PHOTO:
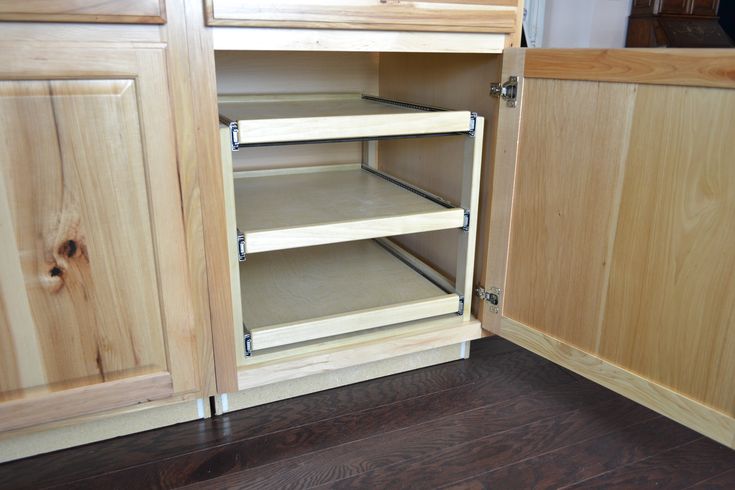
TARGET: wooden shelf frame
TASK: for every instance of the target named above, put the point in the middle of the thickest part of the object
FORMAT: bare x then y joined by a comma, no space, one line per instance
305,294
298,118
280,334
319,205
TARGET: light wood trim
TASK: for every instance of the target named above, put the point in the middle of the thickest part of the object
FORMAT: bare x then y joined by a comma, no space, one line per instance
406,15
298,117
358,126
281,39
470,200
278,335
272,172
708,68
109,11
87,429
84,400
503,183
234,260
201,169
513,40
189,51
360,349
306,236
676,406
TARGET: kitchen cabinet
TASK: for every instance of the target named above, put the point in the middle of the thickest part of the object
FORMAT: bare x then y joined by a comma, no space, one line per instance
395,194
580,215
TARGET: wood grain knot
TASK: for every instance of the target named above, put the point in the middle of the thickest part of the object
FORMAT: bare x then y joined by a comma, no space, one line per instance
68,248
55,271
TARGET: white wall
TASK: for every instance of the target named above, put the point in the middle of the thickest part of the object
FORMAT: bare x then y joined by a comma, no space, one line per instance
584,23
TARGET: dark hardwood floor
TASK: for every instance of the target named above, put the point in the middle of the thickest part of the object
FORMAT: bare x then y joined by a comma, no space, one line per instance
503,419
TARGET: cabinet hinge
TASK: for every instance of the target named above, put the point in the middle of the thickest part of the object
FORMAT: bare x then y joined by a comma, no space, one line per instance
473,124
492,296
460,311
507,91
241,246
248,345
466,224
234,136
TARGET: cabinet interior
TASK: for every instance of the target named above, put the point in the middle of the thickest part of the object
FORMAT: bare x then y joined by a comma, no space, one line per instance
304,290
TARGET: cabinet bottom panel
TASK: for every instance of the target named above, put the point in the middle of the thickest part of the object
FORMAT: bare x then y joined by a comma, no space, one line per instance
355,349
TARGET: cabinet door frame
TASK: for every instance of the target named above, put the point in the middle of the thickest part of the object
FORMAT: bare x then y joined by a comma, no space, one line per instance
181,378
696,68
491,16
93,11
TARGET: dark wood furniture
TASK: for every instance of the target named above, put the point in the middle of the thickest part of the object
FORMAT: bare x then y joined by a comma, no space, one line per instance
676,23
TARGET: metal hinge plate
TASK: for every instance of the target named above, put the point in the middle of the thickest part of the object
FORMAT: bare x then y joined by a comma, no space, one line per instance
492,296
473,124
248,345
466,223
507,91
234,136
241,256
460,310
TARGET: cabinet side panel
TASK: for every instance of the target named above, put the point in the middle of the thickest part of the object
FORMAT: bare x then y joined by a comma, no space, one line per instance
572,149
69,196
671,303
453,81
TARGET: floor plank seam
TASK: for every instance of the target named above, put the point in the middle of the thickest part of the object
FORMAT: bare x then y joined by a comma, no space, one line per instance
560,448
632,463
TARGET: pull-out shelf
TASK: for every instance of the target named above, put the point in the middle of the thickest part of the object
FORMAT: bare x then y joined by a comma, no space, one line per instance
304,294
278,119
277,212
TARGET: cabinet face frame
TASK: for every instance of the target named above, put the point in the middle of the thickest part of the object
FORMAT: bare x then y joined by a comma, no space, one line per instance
646,74
145,69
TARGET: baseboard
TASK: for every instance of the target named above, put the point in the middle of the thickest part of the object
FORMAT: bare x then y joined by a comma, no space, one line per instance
355,374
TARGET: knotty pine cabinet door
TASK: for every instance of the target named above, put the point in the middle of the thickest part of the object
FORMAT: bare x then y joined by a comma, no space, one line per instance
95,303
611,230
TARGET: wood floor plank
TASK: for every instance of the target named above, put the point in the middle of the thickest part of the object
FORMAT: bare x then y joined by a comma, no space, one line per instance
454,463
505,378
723,481
590,458
170,442
505,418
400,446
677,468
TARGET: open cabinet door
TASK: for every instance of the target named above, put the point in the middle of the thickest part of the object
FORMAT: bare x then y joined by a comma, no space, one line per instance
612,228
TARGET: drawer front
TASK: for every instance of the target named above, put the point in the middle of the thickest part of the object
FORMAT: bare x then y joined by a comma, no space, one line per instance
109,11
446,15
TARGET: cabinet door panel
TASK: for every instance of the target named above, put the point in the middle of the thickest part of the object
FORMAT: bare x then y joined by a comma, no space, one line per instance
93,286
428,15
680,7
129,11
705,7
610,224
